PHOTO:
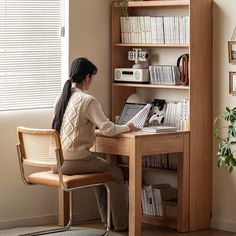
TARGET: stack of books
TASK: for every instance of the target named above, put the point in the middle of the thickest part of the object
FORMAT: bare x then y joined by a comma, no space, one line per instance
164,74
177,113
154,198
158,129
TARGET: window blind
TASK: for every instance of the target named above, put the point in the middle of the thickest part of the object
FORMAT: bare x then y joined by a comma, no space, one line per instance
30,53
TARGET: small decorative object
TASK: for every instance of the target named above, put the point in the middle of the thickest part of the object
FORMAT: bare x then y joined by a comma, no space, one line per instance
232,48
226,136
232,83
140,57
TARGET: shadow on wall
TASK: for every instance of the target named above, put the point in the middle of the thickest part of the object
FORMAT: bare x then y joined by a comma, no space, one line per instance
17,201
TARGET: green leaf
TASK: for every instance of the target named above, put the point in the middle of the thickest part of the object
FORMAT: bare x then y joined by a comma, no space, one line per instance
226,144
219,162
233,161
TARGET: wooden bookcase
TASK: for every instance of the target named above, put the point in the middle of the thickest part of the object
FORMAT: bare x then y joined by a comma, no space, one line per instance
199,93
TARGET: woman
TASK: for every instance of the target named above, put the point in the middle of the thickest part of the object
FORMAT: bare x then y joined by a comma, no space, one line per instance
76,116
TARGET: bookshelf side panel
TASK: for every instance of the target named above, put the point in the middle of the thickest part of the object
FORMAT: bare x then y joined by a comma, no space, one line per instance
200,113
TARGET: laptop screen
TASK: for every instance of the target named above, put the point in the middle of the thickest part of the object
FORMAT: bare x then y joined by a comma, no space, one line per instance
129,111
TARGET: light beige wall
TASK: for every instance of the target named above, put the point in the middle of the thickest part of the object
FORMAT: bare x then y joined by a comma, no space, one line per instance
19,202
90,37
224,184
24,205
89,33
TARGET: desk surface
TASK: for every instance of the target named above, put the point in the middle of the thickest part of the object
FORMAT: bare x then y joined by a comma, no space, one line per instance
142,133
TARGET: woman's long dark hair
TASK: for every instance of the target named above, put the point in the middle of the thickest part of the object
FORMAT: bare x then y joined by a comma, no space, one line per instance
80,68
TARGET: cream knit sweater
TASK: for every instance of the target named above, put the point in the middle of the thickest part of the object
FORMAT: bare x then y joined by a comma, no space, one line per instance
82,115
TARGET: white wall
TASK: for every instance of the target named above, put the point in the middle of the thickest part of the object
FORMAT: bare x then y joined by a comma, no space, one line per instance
224,184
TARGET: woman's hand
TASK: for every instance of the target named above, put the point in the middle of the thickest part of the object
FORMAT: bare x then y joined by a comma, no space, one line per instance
132,127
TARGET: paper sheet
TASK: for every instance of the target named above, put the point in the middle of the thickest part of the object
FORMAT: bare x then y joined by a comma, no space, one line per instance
139,119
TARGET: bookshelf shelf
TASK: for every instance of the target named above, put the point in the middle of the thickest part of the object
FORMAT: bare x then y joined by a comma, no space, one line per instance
154,86
151,45
159,170
164,221
148,4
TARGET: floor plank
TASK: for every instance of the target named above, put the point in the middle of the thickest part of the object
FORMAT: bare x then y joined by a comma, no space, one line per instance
152,230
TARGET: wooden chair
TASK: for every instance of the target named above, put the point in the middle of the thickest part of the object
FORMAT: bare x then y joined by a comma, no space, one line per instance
42,148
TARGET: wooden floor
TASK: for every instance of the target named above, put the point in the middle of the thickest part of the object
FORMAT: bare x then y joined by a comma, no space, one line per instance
150,230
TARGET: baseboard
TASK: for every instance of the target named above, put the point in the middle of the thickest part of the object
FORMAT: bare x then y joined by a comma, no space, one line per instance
32,221
44,220
225,225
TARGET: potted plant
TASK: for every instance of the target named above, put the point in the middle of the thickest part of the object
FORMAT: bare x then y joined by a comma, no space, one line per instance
124,7
226,136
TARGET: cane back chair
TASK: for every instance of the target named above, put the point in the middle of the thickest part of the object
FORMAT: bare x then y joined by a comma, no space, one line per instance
41,148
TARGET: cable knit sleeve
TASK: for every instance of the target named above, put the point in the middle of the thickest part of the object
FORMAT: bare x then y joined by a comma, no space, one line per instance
97,117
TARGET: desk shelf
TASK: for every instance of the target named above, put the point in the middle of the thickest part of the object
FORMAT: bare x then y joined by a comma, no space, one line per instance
164,221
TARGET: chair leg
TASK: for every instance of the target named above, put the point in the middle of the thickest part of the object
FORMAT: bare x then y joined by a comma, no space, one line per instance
56,230
108,209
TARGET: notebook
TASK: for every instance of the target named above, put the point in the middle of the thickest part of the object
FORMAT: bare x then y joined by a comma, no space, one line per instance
157,129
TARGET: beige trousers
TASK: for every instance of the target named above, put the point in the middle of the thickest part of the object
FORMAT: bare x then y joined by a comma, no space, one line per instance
94,164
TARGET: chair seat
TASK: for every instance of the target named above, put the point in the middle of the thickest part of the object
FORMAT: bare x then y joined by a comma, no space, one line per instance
71,181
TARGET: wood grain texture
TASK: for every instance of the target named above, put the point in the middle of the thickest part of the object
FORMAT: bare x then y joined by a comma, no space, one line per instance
200,113
139,144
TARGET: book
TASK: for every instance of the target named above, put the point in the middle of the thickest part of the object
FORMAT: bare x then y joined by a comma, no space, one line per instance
139,119
170,208
158,129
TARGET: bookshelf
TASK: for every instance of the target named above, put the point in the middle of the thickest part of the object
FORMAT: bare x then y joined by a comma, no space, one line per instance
199,93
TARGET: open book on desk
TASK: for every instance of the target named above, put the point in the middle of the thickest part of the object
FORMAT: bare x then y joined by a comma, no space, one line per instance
159,129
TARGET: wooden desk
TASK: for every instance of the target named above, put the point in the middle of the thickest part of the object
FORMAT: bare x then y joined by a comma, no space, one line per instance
135,145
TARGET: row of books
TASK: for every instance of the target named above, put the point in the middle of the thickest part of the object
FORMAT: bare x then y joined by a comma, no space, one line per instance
157,200
177,114
164,74
154,198
155,30
163,161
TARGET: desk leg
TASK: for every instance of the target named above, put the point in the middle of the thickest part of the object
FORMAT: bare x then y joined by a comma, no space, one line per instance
135,183
63,207
183,188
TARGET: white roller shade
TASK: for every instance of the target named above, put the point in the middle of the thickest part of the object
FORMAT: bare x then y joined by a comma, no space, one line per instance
30,53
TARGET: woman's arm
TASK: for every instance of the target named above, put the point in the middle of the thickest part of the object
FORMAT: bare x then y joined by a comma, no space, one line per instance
95,114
